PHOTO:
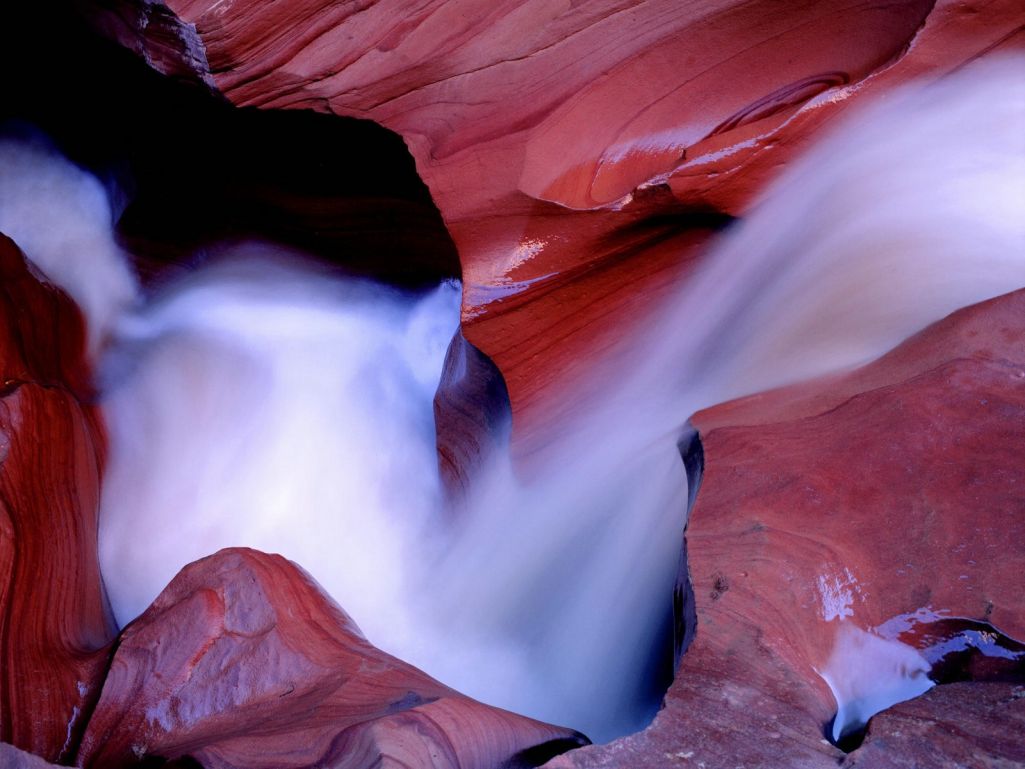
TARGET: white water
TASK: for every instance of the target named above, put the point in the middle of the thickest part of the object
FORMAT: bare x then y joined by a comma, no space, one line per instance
59,215
278,407
263,405
868,673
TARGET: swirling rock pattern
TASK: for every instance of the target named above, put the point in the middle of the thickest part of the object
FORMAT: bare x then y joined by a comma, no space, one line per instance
569,145
55,624
879,499
243,661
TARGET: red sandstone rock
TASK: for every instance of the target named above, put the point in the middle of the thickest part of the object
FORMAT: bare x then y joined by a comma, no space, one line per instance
857,499
471,414
242,661
977,725
562,142
41,337
55,624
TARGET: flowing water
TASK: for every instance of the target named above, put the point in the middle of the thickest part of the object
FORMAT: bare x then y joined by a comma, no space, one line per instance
265,402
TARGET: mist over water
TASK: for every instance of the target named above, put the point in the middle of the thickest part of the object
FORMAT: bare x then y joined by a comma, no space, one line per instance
273,405
266,402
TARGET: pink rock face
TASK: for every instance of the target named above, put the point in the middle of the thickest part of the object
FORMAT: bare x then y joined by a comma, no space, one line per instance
55,624
244,662
560,141
873,503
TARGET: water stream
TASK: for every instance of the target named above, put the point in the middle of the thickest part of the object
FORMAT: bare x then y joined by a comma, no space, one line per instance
264,401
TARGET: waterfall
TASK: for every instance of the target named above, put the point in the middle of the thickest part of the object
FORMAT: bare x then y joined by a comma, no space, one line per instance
265,401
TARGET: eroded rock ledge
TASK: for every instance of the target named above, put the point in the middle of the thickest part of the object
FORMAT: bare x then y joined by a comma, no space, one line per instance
887,499
569,146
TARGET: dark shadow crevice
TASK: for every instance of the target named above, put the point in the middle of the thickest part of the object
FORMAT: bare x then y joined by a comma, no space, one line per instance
185,169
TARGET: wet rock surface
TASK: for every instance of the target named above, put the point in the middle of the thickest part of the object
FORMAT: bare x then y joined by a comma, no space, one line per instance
55,623
884,499
244,662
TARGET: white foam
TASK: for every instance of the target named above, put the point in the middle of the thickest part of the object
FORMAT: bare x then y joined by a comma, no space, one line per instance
277,408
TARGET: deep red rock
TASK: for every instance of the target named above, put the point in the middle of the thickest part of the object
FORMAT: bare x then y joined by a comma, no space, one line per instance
895,488
243,661
55,624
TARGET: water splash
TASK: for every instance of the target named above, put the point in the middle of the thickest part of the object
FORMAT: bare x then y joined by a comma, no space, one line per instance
271,405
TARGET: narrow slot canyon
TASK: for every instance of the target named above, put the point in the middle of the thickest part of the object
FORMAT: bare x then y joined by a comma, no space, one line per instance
512,385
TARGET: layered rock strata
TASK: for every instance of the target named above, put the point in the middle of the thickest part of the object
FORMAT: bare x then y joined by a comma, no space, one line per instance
885,505
569,147
55,623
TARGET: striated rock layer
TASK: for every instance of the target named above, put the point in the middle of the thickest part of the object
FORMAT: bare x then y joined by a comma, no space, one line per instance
569,146
964,724
243,661
55,624
886,503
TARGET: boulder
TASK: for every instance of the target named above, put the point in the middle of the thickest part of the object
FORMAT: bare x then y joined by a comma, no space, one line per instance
243,661
471,415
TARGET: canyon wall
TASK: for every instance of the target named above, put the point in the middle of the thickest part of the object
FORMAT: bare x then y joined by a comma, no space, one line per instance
580,154
582,157
55,623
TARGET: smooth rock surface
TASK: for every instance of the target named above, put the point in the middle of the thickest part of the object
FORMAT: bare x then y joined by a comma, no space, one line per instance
471,415
243,661
569,146
883,499
55,623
